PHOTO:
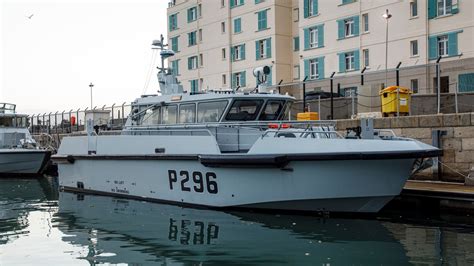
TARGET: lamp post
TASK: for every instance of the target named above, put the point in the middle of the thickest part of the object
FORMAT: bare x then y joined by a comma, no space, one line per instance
91,85
386,16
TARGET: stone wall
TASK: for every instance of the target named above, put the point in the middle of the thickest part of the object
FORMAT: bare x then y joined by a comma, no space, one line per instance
458,143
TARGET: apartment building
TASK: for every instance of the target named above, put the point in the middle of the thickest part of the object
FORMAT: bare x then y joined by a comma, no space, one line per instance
218,43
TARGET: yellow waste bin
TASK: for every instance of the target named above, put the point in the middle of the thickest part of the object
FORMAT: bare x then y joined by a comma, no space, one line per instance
388,97
306,116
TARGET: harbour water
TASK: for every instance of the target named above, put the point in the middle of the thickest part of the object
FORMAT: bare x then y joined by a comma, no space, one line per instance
39,226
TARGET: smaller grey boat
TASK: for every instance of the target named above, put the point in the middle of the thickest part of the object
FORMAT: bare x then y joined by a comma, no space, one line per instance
19,154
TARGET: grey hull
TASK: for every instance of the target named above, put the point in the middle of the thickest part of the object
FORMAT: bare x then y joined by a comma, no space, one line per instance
22,161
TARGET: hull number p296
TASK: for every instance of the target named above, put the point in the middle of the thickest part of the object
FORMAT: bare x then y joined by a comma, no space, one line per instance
196,181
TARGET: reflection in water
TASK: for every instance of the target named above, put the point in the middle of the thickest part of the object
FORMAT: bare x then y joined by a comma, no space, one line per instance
89,230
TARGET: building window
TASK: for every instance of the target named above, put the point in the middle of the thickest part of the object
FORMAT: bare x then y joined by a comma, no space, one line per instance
192,14
222,27
365,21
238,79
192,38
296,14
173,22
263,49
201,60
310,8
199,11
237,25
349,27
200,35
414,8
224,79
350,61
262,20
444,7
238,52
174,44
175,67
296,72
414,48
236,3
192,62
313,37
223,54
238,76
443,45
414,85
365,52
194,88
296,44
313,69
223,3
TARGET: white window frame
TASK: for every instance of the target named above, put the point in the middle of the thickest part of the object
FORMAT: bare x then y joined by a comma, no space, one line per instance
414,49
443,6
310,8
414,7
194,62
366,56
442,45
193,11
350,61
237,79
262,48
365,21
349,27
236,2
313,37
313,69
238,52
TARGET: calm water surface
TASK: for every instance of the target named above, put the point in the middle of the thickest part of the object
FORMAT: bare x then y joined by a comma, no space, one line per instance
39,226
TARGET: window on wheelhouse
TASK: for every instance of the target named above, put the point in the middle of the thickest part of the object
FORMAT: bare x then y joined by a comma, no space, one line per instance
244,110
272,110
210,111
151,117
169,114
187,113
6,121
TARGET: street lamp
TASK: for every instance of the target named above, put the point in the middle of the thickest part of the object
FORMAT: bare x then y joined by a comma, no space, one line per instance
386,16
91,85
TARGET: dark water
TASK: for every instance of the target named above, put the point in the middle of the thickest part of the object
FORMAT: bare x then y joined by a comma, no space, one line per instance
38,226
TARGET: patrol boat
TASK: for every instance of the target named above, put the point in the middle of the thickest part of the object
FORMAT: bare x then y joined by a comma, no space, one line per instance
19,153
237,149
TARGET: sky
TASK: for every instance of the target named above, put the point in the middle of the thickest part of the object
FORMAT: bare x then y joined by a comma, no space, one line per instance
47,62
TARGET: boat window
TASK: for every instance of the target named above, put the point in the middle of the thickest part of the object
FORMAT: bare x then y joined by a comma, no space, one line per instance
169,114
6,122
210,111
244,110
151,117
187,113
271,111
287,111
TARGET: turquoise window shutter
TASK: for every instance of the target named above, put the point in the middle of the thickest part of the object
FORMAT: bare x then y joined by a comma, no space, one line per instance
170,23
306,38
432,47
189,15
241,2
321,67
232,52
231,3
315,7
356,25
466,82
340,29
174,44
233,80
257,51
342,62
190,39
242,79
237,25
258,1
268,47
306,8
189,63
452,44
320,35
264,19
269,77
242,52
432,9
306,68
357,60
455,8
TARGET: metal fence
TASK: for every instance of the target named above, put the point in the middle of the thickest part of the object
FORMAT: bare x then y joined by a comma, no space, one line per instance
75,120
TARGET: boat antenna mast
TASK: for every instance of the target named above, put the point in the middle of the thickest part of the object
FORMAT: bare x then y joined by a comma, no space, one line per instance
166,78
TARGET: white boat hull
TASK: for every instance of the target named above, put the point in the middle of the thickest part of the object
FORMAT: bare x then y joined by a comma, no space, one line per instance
22,161
338,186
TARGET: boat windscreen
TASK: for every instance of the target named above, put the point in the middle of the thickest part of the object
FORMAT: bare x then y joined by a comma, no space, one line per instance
210,111
272,110
244,110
